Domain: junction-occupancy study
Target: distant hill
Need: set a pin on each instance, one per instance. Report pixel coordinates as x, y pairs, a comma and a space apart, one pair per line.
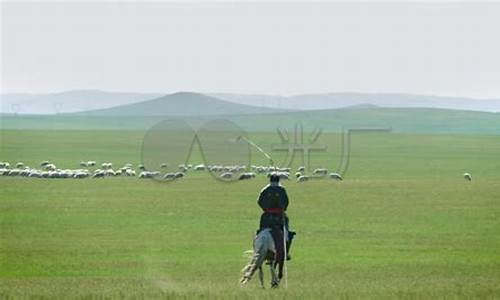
181, 104
92, 100
70, 101
339, 100
400, 120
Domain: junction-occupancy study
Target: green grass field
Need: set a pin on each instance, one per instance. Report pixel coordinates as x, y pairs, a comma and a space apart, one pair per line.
403, 224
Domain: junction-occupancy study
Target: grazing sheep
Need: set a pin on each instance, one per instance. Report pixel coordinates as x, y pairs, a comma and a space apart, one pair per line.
50, 167
14, 172
199, 167
298, 174
217, 169
301, 169
129, 172
260, 170
44, 163
246, 176
183, 168
141, 167
25, 172
169, 176
83, 164
179, 175
106, 165
19, 165
80, 175
163, 165
468, 176
110, 172
303, 178
3, 172
99, 174
35, 174
282, 175
336, 176
91, 163
320, 172
226, 175
54, 174
147, 174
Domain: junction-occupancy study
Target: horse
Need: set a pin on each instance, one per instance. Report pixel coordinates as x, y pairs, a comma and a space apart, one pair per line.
263, 249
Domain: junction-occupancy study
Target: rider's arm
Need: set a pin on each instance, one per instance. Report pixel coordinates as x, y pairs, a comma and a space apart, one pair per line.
285, 199
261, 199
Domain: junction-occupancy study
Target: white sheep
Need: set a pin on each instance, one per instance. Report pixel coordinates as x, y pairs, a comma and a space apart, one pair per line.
320, 172
99, 173
468, 176
226, 175
336, 176
169, 176
35, 173
147, 174
14, 172
199, 167
247, 176
301, 169
303, 178
50, 167
81, 175
282, 175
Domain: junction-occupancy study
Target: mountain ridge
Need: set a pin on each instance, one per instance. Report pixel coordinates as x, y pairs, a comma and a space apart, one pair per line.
183, 104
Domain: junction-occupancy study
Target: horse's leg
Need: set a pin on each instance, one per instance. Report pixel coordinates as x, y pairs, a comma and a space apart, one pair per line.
274, 278
280, 269
261, 277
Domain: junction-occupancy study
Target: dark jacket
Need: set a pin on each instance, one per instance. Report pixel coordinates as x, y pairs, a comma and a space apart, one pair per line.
274, 201
273, 196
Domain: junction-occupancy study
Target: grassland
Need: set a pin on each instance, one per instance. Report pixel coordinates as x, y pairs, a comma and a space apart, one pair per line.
404, 224
401, 120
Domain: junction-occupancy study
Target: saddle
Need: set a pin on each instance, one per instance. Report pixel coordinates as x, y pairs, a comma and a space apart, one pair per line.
277, 234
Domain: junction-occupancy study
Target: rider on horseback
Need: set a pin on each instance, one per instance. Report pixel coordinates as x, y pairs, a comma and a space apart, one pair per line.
273, 200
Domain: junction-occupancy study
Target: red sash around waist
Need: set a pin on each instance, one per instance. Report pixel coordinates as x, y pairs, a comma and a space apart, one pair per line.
273, 210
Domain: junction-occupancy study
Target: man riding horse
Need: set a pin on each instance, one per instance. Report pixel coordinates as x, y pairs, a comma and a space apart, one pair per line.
269, 242
273, 200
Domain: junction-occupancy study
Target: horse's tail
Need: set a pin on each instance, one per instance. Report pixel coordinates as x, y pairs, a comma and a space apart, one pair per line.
256, 260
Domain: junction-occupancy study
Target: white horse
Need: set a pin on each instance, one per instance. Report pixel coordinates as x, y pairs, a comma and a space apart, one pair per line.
263, 249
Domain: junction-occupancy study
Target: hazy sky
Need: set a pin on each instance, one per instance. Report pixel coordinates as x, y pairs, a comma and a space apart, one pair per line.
442, 49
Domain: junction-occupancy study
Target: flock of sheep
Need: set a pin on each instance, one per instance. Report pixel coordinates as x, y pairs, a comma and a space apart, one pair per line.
235, 172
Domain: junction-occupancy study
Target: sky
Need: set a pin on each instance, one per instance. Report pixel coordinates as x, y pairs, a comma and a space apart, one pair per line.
253, 48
